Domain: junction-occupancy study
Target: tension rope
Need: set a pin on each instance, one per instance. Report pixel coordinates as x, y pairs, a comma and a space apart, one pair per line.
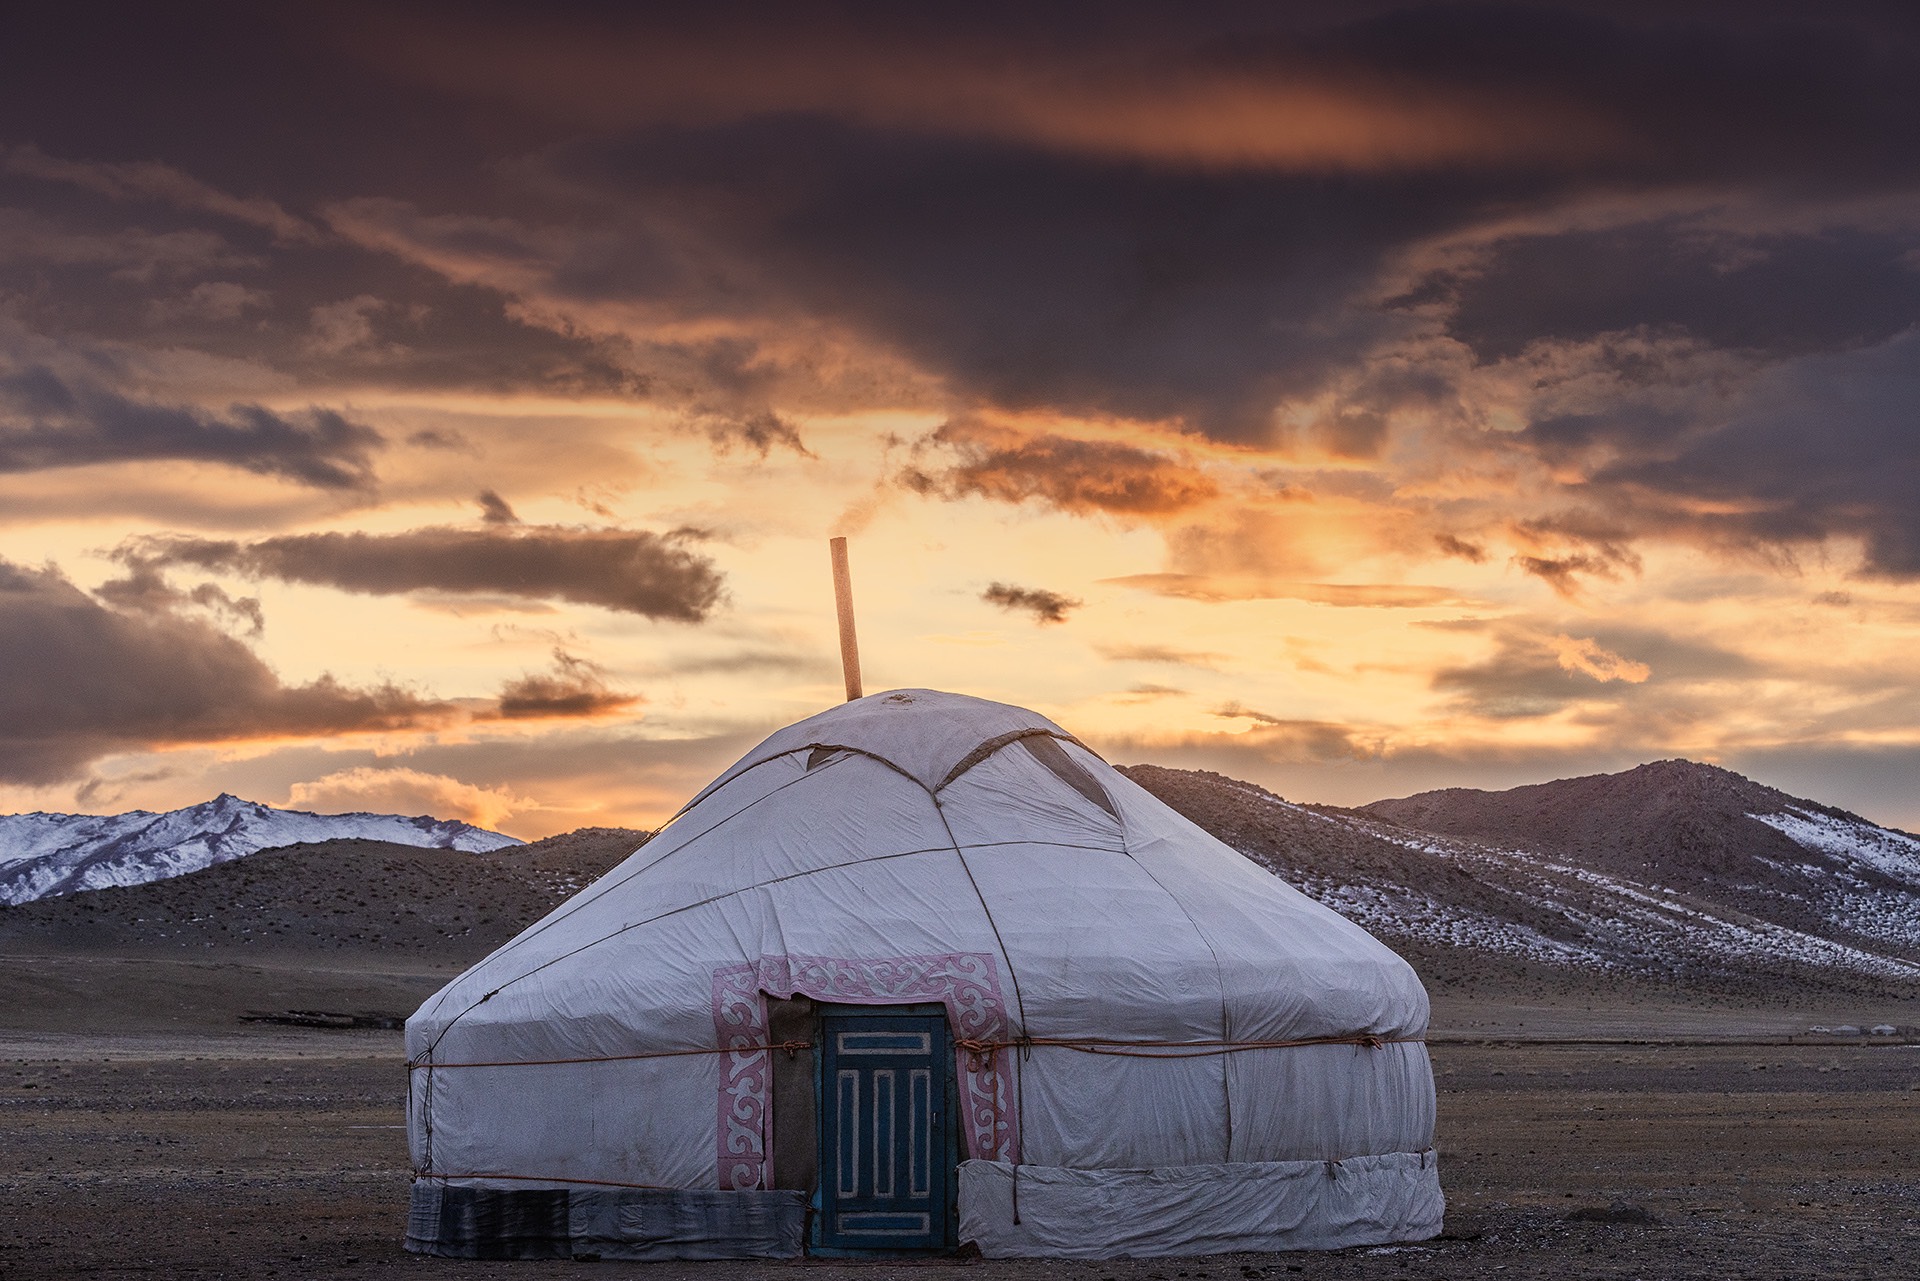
983, 1051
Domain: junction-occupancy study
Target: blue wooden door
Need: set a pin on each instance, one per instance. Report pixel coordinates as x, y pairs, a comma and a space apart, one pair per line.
887, 1152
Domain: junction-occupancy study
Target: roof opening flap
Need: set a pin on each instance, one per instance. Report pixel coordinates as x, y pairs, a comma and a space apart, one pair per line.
1047, 750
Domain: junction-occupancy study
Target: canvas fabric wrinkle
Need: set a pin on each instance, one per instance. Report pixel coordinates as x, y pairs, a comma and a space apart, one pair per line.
1164, 1004
1201, 1209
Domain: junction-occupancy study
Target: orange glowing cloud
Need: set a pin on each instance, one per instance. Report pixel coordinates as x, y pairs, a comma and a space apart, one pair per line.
1067, 472
1131, 103
398, 790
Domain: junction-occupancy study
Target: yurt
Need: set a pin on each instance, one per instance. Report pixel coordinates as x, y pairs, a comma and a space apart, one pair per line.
920, 973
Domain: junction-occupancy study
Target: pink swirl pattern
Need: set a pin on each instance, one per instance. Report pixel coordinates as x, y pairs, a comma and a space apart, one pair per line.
967, 983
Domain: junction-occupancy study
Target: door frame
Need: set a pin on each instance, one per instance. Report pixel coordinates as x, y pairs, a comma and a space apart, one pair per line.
947, 1140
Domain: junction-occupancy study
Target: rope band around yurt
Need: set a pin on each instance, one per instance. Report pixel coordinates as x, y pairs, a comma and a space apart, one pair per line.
1083, 1045
1179, 1049
791, 1047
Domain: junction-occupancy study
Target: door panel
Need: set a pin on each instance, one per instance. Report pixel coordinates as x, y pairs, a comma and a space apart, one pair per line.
887, 1152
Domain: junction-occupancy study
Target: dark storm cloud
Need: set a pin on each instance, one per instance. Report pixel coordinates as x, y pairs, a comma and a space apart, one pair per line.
49, 419
1324, 87
631, 571
1178, 213
37, 249
1023, 281
150, 180
1828, 445
148, 255
1054, 278
1207, 85
405, 328
1818, 447
327, 314
1695, 91
1043, 275
1773, 294
1045, 606
1045, 282
79, 680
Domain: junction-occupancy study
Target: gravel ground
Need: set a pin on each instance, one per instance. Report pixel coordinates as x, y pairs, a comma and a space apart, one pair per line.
281, 1154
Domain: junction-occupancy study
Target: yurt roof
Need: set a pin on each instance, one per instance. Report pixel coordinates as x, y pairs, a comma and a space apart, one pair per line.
1111, 893
929, 735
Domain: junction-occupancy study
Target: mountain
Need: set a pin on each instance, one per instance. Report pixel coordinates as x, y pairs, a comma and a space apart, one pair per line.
1672, 871
335, 930
50, 854
1678, 822
344, 895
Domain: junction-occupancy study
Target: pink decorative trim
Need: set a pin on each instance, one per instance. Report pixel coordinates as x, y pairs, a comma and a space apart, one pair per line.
967, 983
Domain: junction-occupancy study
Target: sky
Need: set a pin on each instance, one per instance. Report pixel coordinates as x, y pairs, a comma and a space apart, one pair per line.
445, 408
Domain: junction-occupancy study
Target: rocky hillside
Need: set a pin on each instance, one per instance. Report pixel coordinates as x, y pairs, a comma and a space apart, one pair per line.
351, 895
1683, 824
44, 854
1673, 871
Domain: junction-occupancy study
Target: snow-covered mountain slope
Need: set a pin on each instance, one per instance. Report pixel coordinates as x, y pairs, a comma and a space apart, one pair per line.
1675, 871
48, 854
350, 896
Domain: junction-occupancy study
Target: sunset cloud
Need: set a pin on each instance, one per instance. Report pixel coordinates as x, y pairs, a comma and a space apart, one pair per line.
48, 420
1585, 655
1642, 675
575, 687
631, 571
1278, 108
1072, 475
151, 180
79, 680
128, 254
495, 510
1343, 595
1158, 654
398, 790
1280, 738
1045, 606
1458, 394
1821, 447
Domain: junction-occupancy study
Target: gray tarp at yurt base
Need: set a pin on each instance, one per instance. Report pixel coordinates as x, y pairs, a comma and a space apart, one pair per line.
920, 971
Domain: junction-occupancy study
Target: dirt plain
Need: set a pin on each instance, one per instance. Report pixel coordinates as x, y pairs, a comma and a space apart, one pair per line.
1654, 1140
1589, 1126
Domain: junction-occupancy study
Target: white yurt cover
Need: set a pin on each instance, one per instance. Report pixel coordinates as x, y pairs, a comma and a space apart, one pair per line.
1160, 1047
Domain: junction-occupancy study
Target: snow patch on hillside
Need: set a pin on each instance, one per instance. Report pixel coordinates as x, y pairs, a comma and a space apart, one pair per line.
44, 854
1613, 923
1894, 854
